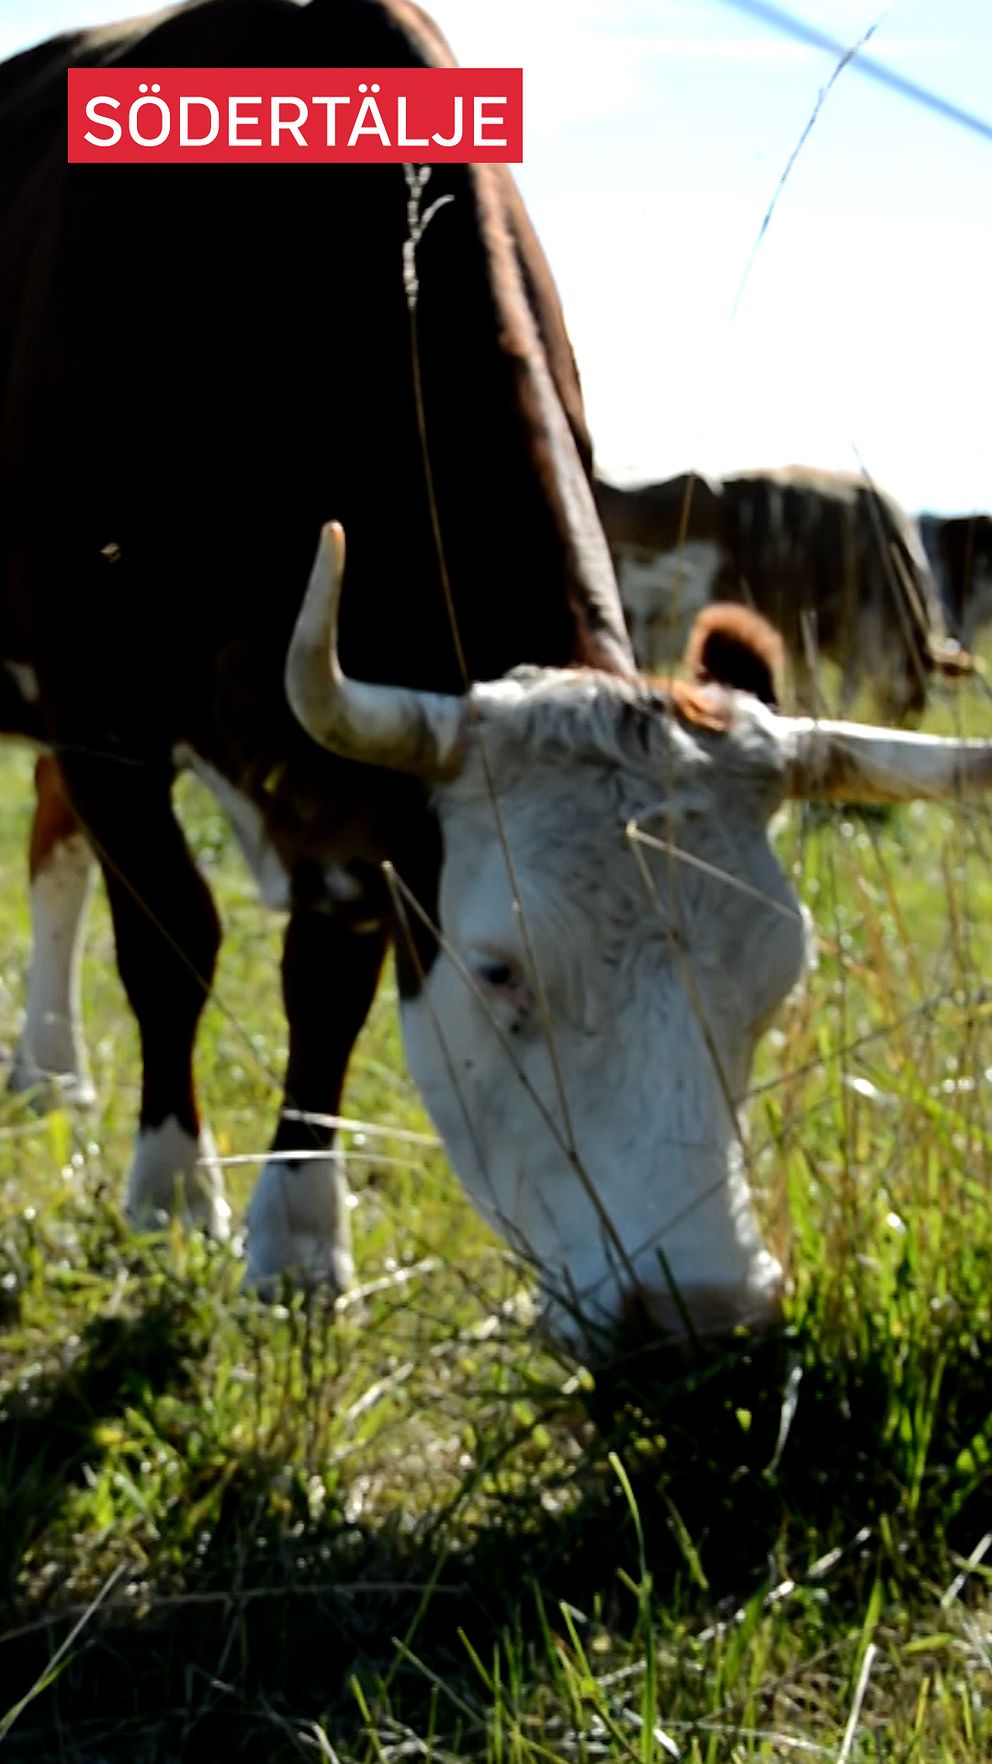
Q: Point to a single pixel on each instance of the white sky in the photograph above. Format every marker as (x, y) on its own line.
(655, 134)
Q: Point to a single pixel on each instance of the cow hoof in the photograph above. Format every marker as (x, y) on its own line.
(47, 1091)
(299, 1227)
(172, 1172)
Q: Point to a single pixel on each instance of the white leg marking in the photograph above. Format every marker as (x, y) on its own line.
(171, 1171)
(50, 1056)
(299, 1225)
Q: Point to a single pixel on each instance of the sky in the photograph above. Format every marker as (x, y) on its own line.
(656, 133)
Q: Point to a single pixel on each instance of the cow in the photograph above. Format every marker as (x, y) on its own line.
(207, 380)
(960, 551)
(832, 560)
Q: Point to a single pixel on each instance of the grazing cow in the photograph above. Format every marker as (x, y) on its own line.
(831, 560)
(198, 368)
(960, 551)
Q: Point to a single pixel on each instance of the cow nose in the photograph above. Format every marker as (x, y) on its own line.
(708, 1313)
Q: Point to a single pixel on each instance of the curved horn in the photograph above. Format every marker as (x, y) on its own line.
(853, 762)
(391, 726)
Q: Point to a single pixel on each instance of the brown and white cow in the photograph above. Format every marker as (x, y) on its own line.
(196, 371)
(832, 560)
(582, 1025)
(960, 552)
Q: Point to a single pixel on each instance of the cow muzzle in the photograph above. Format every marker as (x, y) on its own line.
(707, 1314)
(695, 1317)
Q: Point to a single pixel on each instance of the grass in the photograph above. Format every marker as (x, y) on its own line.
(405, 1530)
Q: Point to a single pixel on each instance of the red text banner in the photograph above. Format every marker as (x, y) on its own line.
(239, 116)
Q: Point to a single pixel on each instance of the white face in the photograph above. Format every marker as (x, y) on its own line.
(978, 603)
(662, 592)
(584, 1005)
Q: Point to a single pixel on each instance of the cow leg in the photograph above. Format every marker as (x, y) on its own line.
(167, 936)
(50, 1056)
(298, 1221)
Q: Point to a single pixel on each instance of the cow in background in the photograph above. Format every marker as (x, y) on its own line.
(960, 551)
(830, 559)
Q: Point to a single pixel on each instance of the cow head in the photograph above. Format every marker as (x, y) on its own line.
(614, 933)
(962, 550)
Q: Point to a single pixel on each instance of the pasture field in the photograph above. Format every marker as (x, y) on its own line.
(407, 1531)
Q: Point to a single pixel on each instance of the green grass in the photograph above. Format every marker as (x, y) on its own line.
(405, 1530)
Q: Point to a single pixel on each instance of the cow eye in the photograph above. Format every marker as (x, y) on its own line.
(501, 976)
(504, 989)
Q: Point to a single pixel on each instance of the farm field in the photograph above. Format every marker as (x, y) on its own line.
(404, 1529)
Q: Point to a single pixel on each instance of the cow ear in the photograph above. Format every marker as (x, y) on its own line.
(729, 645)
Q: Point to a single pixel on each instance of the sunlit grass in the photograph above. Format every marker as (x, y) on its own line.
(405, 1530)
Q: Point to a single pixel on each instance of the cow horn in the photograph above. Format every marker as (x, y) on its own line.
(391, 726)
(852, 762)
